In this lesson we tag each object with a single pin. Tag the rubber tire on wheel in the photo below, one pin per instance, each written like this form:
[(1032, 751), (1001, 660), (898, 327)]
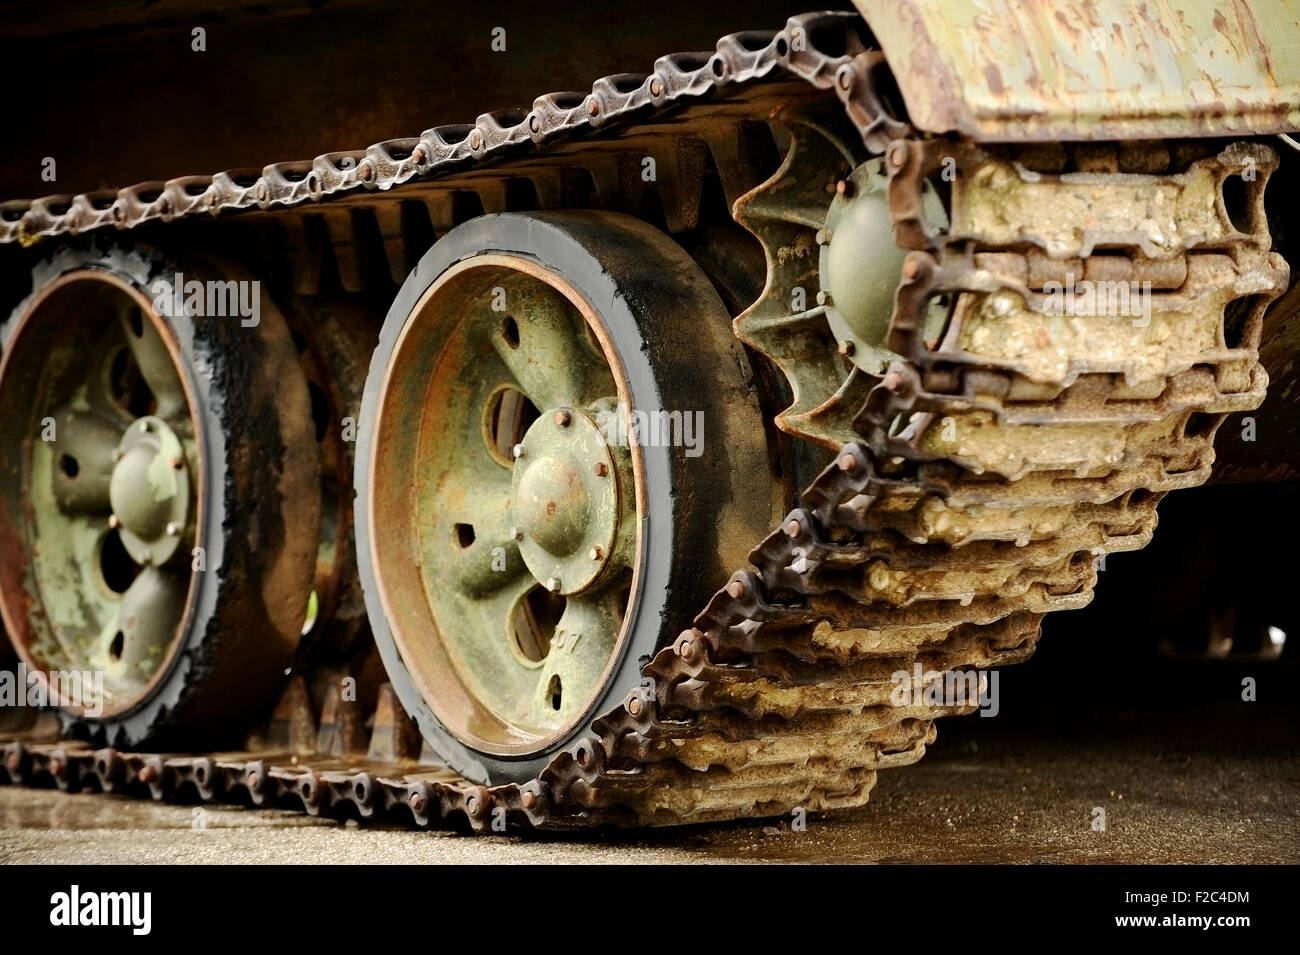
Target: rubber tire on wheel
[(672, 336), (261, 502)]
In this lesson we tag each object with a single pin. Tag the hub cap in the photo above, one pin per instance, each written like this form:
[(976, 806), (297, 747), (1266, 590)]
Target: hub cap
[(566, 501)]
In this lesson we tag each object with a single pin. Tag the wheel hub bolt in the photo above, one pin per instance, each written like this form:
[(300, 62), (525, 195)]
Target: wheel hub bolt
[(519, 451), (528, 799), (596, 553), (416, 802), (562, 419), (553, 585), (600, 469)]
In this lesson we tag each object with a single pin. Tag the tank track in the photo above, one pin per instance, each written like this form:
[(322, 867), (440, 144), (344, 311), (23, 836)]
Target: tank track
[(973, 489)]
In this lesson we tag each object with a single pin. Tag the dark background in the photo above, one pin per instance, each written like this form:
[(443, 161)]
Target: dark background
[(113, 91)]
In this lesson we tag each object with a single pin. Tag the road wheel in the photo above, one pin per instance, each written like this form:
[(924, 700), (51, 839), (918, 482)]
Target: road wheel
[(527, 534), (159, 477)]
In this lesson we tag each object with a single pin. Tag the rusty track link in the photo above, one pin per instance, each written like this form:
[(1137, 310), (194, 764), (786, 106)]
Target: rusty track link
[(973, 487)]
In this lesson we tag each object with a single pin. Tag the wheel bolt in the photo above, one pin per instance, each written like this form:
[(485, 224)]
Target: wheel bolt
[(516, 534), (847, 349), (173, 529), (794, 528), (518, 451), (56, 766), (113, 522), (736, 590), (562, 418), (176, 461), (528, 799), (553, 585), (148, 774), (600, 469), (417, 155), (596, 553), (416, 802), (656, 87), (848, 463), (634, 706)]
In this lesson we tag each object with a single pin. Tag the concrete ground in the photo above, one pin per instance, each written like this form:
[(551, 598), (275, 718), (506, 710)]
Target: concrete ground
[(1215, 783)]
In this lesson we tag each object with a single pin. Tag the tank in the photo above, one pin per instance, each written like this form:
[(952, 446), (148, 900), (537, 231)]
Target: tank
[(675, 450)]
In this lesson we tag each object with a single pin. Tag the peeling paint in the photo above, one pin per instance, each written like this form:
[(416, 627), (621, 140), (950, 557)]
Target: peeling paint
[(1010, 70)]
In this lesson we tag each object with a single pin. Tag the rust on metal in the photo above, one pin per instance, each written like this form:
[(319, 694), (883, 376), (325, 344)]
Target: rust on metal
[(1008, 71)]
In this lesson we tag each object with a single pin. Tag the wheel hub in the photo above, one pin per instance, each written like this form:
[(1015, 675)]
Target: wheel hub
[(565, 500), (149, 491), (859, 266)]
